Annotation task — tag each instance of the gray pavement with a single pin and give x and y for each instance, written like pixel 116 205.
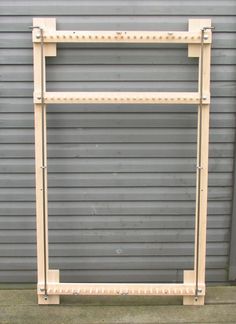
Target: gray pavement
pixel 20 306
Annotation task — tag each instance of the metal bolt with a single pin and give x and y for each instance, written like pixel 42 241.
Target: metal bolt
pixel 204 98
pixel 205 37
pixel 37 35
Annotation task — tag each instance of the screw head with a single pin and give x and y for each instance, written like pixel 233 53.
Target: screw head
pixel 205 37
pixel 37 35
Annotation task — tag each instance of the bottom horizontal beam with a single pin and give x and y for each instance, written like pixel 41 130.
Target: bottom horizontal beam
pixel 121 289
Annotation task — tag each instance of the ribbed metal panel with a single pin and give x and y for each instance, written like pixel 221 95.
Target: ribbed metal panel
pixel 121 178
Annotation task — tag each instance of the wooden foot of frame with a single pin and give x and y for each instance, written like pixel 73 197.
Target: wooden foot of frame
pixel 189 277
pixel 191 300
pixel 55 288
pixel 53 277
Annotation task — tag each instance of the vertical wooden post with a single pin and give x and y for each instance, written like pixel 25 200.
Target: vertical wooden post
pixel 198 274
pixel 44 275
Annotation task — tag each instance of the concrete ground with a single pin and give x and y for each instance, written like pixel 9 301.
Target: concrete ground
pixel 19 306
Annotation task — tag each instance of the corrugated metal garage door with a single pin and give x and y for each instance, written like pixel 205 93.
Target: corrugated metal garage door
pixel 121 178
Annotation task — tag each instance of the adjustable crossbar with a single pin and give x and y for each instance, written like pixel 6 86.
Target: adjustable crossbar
pixel 198 38
pixel 121 98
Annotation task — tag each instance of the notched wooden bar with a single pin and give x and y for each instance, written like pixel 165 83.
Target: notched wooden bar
pixel 181 37
pixel 121 98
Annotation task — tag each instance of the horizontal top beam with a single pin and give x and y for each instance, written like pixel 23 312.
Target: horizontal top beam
pixel 122 37
pixel 121 98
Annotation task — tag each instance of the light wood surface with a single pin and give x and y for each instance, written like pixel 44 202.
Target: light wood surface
pixel 122 37
pixel 122 97
pixel 51 37
pixel 121 289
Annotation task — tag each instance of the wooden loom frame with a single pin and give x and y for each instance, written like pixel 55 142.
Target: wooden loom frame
pixel 198 38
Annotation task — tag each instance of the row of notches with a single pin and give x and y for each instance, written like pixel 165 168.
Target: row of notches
pixel 122 37
pixel 110 291
pixel 119 99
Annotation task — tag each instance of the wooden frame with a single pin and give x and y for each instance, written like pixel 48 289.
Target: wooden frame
pixel 198 39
